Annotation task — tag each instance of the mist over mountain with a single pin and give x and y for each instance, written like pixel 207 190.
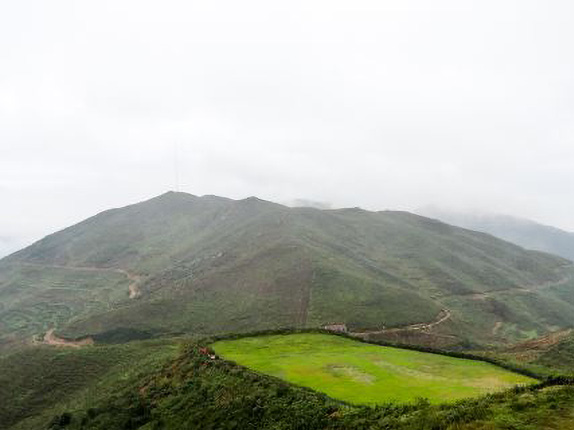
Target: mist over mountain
pixel 308 203
pixel 523 232
pixel 5 247
pixel 9 245
pixel 293 285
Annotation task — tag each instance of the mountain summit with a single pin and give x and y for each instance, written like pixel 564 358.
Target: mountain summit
pixel 180 263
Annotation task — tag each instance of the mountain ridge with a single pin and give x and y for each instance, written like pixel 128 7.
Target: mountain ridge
pixel 521 231
pixel 211 264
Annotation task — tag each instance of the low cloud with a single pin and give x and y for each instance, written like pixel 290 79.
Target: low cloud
pixel 463 104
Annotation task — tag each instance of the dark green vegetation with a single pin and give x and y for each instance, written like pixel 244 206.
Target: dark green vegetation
pixel 40 382
pixel 523 232
pixel 192 391
pixel 210 265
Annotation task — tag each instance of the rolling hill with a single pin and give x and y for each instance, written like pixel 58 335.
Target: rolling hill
pixel 201 265
pixel 522 232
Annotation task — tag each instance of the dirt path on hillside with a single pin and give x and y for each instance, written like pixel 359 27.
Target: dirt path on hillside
pixel 443 316
pixel 497 327
pixel 522 289
pixel 305 298
pixel 51 339
pixel 135 280
pixel 134 286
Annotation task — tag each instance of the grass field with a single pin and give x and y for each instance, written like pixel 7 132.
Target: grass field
pixel 369 374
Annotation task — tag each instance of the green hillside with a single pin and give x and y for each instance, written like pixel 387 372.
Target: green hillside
pixel 35 298
pixel 202 265
pixel 40 382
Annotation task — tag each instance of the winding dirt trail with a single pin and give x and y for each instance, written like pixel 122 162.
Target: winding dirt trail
pixel 134 290
pixel 51 339
pixel 568 277
pixel 443 316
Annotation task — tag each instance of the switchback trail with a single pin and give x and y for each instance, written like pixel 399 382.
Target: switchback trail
pixel 133 288
pixel 51 339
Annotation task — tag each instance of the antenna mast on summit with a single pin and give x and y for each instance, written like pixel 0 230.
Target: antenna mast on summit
pixel 176 165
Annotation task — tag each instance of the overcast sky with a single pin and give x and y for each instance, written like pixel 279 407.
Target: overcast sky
pixel 379 104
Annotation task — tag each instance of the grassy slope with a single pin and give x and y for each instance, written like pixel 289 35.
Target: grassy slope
pixel 551 354
pixel 361 373
pixel 559 357
pixel 35 298
pixel 40 382
pixel 211 265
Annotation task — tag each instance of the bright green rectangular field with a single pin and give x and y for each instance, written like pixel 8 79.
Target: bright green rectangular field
pixel 363 373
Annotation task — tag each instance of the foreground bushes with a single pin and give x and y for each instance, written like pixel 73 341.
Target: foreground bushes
pixel 197 392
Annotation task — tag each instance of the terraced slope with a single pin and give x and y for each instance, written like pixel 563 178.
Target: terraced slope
pixel 35 298
pixel 210 264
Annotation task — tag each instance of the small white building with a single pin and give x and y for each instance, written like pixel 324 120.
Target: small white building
pixel 339 328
